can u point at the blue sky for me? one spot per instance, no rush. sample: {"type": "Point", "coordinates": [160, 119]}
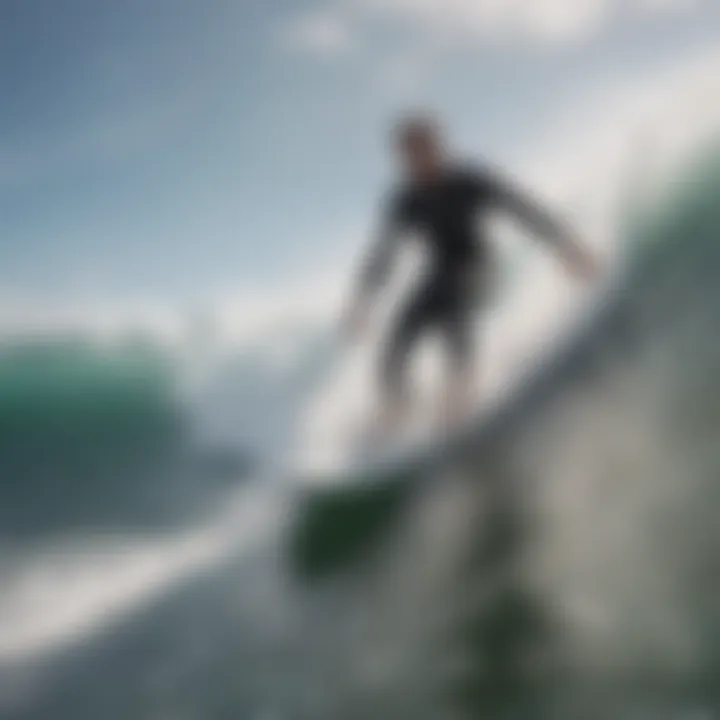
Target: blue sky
{"type": "Point", "coordinates": [167, 148]}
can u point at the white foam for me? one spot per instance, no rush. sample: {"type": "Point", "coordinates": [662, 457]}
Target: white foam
{"type": "Point", "coordinates": [65, 592]}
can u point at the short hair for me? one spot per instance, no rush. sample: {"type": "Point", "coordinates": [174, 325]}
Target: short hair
{"type": "Point", "coordinates": [416, 129]}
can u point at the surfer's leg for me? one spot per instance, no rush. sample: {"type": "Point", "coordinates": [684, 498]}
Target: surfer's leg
{"type": "Point", "coordinates": [458, 392]}
{"type": "Point", "coordinates": [394, 390]}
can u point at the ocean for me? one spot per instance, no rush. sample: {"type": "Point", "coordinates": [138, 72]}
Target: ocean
{"type": "Point", "coordinates": [558, 562]}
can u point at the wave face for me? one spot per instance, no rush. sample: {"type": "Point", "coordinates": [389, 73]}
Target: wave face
{"type": "Point", "coordinates": [86, 431]}
{"type": "Point", "coordinates": [560, 564]}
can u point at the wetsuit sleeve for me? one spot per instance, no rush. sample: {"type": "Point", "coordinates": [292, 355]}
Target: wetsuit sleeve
{"type": "Point", "coordinates": [378, 264]}
{"type": "Point", "coordinates": [504, 195]}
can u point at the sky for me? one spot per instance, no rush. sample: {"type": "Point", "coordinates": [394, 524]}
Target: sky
{"type": "Point", "coordinates": [173, 151]}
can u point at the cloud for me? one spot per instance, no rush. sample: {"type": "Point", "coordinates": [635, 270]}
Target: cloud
{"type": "Point", "coordinates": [325, 33]}
{"type": "Point", "coordinates": [542, 21]}
{"type": "Point", "coordinates": [487, 18]}
{"type": "Point", "coordinates": [669, 6]}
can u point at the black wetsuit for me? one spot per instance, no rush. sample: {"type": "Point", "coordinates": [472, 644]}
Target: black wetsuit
{"type": "Point", "coordinates": [446, 214]}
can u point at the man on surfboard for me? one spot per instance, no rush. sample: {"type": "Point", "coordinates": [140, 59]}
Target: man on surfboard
{"type": "Point", "coordinates": [442, 201]}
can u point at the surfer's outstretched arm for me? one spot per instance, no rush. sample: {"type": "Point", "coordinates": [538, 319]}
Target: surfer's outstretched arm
{"type": "Point", "coordinates": [555, 233]}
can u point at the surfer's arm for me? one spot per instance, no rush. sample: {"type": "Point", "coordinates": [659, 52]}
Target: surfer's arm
{"type": "Point", "coordinates": [374, 274]}
{"type": "Point", "coordinates": [553, 231]}
{"type": "Point", "coordinates": [395, 217]}
{"type": "Point", "coordinates": [378, 264]}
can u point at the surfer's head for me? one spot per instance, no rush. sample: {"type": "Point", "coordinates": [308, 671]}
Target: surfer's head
{"type": "Point", "coordinates": [420, 146]}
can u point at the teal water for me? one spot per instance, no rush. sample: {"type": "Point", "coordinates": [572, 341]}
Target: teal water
{"type": "Point", "coordinates": [90, 436]}
{"type": "Point", "coordinates": [561, 562]}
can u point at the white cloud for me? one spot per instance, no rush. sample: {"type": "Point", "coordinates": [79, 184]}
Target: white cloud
{"type": "Point", "coordinates": [321, 33]}
{"type": "Point", "coordinates": [669, 6]}
{"type": "Point", "coordinates": [483, 18]}
{"type": "Point", "coordinates": [543, 21]}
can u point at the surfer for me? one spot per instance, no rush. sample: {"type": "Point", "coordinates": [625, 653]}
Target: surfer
{"type": "Point", "coordinates": [443, 201]}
